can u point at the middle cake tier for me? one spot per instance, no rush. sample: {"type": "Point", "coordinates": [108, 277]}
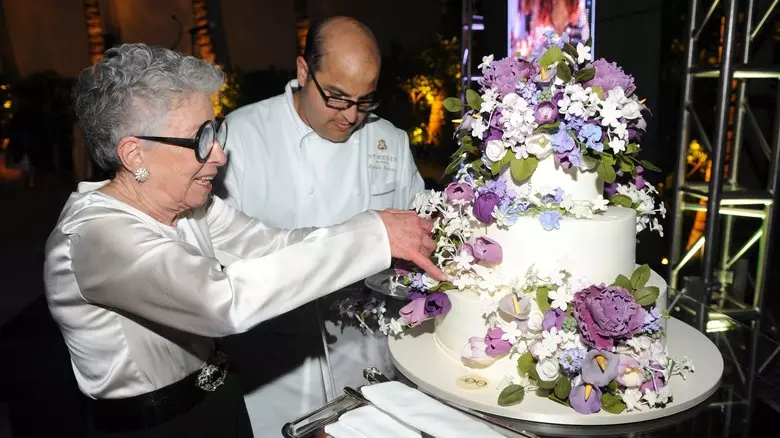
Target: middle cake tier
{"type": "Point", "coordinates": [597, 249]}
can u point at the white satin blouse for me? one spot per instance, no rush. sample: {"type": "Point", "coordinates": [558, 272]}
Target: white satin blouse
{"type": "Point", "coordinates": [138, 302]}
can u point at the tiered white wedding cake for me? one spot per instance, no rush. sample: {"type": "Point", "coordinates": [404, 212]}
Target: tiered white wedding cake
{"type": "Point", "coordinates": [538, 235]}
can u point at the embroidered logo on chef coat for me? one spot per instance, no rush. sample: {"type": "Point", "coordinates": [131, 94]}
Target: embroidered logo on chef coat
{"type": "Point", "coordinates": [382, 160]}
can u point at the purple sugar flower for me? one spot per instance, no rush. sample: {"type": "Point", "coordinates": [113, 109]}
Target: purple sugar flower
{"type": "Point", "coordinates": [417, 281]}
{"type": "Point", "coordinates": [545, 112]}
{"type": "Point", "coordinates": [591, 405]}
{"type": "Point", "coordinates": [415, 294]}
{"type": "Point", "coordinates": [522, 206]}
{"type": "Point", "coordinates": [639, 179]}
{"type": "Point", "coordinates": [474, 352]}
{"type": "Point", "coordinates": [562, 141]}
{"type": "Point", "coordinates": [555, 197]}
{"type": "Point", "coordinates": [484, 206]}
{"type": "Point", "coordinates": [557, 98]}
{"type": "Point", "coordinates": [550, 220]}
{"type": "Point", "coordinates": [611, 188]}
{"type": "Point", "coordinates": [414, 312]}
{"type": "Point", "coordinates": [436, 304]}
{"type": "Point", "coordinates": [567, 160]}
{"type": "Point", "coordinates": [495, 345]}
{"type": "Point", "coordinates": [656, 380]}
{"type": "Point", "coordinates": [553, 318]}
{"type": "Point", "coordinates": [571, 360]}
{"type": "Point", "coordinates": [487, 250]}
{"type": "Point", "coordinates": [507, 305]}
{"type": "Point", "coordinates": [599, 367]}
{"type": "Point", "coordinates": [459, 192]}
{"type": "Point", "coordinates": [497, 186]}
{"type": "Point", "coordinates": [609, 75]}
{"type": "Point", "coordinates": [630, 372]}
{"type": "Point", "coordinates": [605, 314]}
{"type": "Point", "coordinates": [525, 69]}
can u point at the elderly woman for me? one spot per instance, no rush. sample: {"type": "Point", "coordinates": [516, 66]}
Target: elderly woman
{"type": "Point", "coordinates": [131, 275]}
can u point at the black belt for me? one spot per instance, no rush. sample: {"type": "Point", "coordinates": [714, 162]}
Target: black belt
{"type": "Point", "coordinates": [161, 405]}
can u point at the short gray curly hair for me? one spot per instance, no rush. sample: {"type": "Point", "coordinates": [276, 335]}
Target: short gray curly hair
{"type": "Point", "coordinates": [130, 91]}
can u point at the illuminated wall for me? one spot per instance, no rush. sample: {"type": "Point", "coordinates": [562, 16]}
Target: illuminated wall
{"type": "Point", "coordinates": [47, 35]}
{"type": "Point", "coordinates": [52, 34]}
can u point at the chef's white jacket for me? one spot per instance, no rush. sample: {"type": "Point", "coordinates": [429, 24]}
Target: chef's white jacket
{"type": "Point", "coordinates": [280, 171]}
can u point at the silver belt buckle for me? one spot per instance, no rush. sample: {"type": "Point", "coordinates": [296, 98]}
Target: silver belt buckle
{"type": "Point", "coordinates": [212, 374]}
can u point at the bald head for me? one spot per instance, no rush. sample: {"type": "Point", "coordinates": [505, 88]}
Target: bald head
{"type": "Point", "coordinates": [340, 38]}
{"type": "Point", "coordinates": [337, 76]}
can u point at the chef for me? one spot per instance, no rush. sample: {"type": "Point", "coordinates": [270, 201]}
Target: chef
{"type": "Point", "coordinates": [315, 156]}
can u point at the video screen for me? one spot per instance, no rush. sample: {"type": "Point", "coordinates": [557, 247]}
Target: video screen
{"type": "Point", "coordinates": [530, 20]}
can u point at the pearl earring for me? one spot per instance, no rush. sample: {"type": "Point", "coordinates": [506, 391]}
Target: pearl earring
{"type": "Point", "coordinates": [142, 175]}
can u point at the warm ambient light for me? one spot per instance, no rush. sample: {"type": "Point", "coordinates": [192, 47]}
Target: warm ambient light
{"type": "Point", "coordinates": [664, 261]}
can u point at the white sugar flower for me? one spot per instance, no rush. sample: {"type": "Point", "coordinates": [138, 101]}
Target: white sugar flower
{"type": "Point", "coordinates": [487, 61]}
{"type": "Point", "coordinates": [631, 110]}
{"type": "Point", "coordinates": [495, 150]}
{"type": "Point", "coordinates": [539, 145]}
{"type": "Point", "coordinates": [463, 260]}
{"type": "Point", "coordinates": [540, 351]}
{"type": "Point", "coordinates": [686, 367]}
{"type": "Point", "coordinates": [567, 203]}
{"type": "Point", "coordinates": [560, 298]}
{"type": "Point", "coordinates": [548, 369]}
{"type": "Point", "coordinates": [617, 96]}
{"type": "Point", "coordinates": [489, 102]}
{"type": "Point", "coordinates": [617, 145]}
{"type": "Point", "coordinates": [600, 204]}
{"type": "Point", "coordinates": [610, 114]}
{"type": "Point", "coordinates": [551, 339]}
{"type": "Point", "coordinates": [583, 53]}
{"type": "Point", "coordinates": [571, 340]}
{"type": "Point", "coordinates": [660, 397]}
{"type": "Point", "coordinates": [581, 210]}
{"type": "Point", "coordinates": [478, 128]}
{"type": "Point", "coordinates": [463, 281]}
{"type": "Point", "coordinates": [535, 321]}
{"type": "Point", "coordinates": [511, 332]}
{"type": "Point", "coordinates": [621, 131]}
{"type": "Point", "coordinates": [633, 400]}
{"type": "Point", "coordinates": [650, 397]}
{"type": "Point", "coordinates": [429, 282]}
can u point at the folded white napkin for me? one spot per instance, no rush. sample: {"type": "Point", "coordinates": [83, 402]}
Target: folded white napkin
{"type": "Point", "coordinates": [369, 422]}
{"type": "Point", "coordinates": [422, 412]}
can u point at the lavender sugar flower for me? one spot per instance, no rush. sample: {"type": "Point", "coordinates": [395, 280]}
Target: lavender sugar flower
{"type": "Point", "coordinates": [571, 360]}
{"type": "Point", "coordinates": [652, 321]}
{"type": "Point", "coordinates": [609, 76]}
{"type": "Point", "coordinates": [550, 220]}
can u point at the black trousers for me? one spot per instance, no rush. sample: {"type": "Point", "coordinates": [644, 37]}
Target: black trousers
{"type": "Point", "coordinates": [222, 413]}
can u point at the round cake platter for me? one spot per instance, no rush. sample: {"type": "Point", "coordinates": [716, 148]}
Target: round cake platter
{"type": "Point", "coordinates": [421, 361]}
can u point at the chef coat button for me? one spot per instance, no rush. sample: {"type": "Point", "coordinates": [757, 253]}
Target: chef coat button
{"type": "Point", "coordinates": [311, 190]}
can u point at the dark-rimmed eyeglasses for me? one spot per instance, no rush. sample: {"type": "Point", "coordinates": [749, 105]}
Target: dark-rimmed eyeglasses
{"type": "Point", "coordinates": [209, 132]}
{"type": "Point", "coordinates": [341, 104]}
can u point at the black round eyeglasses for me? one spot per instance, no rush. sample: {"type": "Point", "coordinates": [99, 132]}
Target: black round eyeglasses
{"type": "Point", "coordinates": [209, 132]}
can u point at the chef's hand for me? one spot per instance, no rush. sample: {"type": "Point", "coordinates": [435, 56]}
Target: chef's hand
{"type": "Point", "coordinates": [410, 239]}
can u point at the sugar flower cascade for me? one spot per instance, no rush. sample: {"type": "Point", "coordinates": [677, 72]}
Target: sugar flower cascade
{"type": "Point", "coordinates": [589, 346]}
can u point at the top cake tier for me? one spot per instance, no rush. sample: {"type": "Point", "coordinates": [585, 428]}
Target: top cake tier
{"type": "Point", "coordinates": [580, 185]}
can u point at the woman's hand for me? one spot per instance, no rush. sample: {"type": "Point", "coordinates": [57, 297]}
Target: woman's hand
{"type": "Point", "coordinates": [410, 239]}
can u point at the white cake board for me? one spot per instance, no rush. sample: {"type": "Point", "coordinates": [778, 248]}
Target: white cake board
{"type": "Point", "coordinates": [417, 356]}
